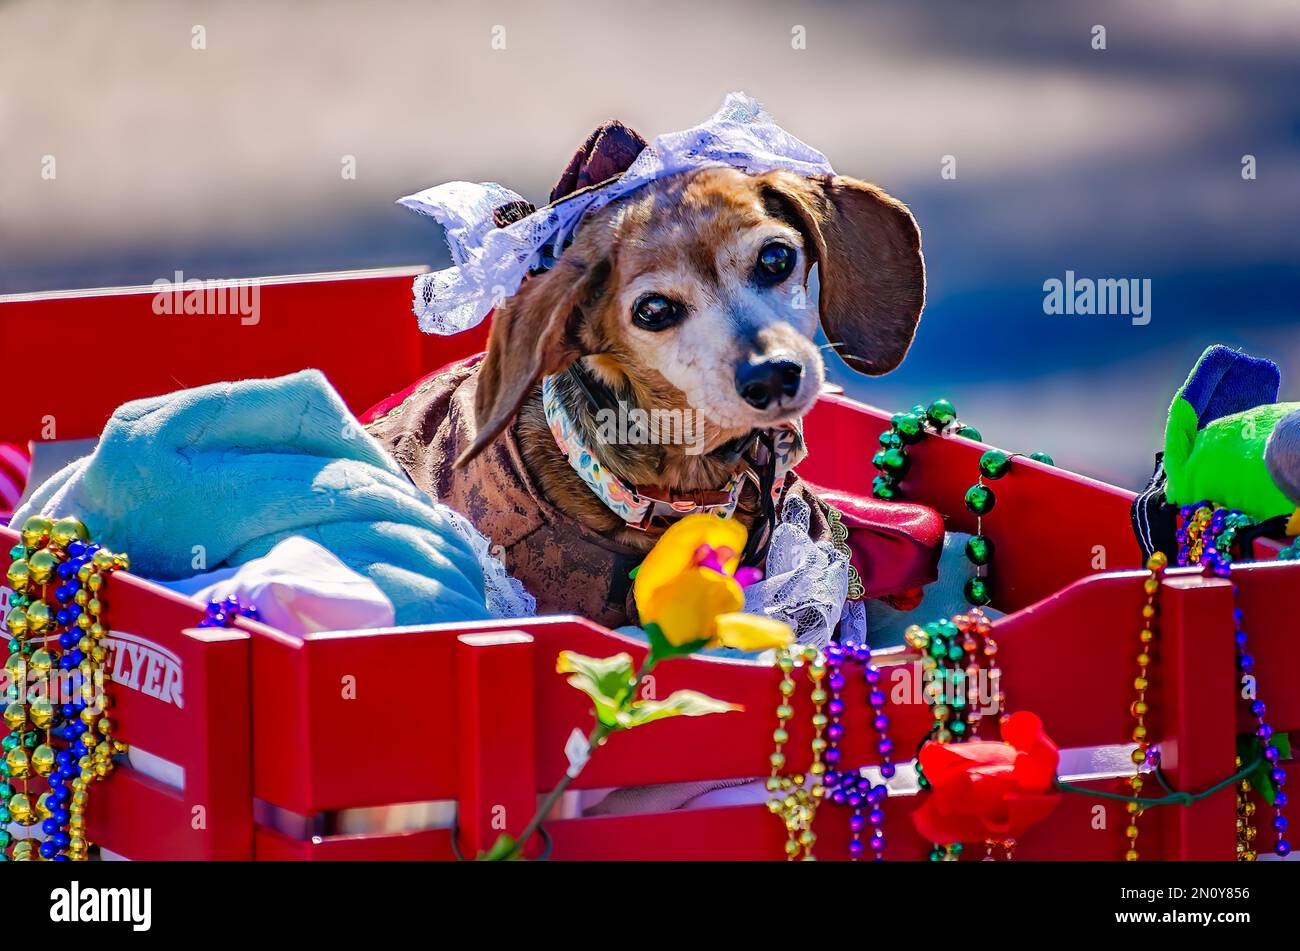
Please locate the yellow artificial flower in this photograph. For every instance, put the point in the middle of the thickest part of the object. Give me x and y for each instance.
(680, 588)
(676, 551)
(687, 606)
(752, 632)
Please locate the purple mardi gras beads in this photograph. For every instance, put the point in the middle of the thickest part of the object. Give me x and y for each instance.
(1205, 536)
(1264, 733)
(222, 612)
(849, 787)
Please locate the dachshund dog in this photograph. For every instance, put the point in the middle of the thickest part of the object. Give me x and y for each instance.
(689, 298)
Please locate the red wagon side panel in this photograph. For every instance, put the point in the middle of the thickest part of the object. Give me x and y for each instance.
(356, 327)
(278, 745)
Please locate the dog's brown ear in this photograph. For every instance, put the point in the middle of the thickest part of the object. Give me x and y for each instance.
(868, 251)
(610, 150)
(534, 334)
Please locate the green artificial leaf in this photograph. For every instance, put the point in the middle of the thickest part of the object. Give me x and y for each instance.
(661, 649)
(604, 679)
(504, 849)
(680, 703)
(1262, 778)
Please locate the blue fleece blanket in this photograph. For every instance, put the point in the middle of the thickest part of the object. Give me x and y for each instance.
(215, 476)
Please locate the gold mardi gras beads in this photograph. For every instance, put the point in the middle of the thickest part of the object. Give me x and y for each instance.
(17, 764)
(41, 661)
(793, 800)
(42, 714)
(66, 530)
(19, 575)
(36, 531)
(16, 667)
(1246, 831)
(39, 614)
(40, 619)
(20, 808)
(17, 623)
(1156, 565)
(42, 565)
(43, 760)
(15, 716)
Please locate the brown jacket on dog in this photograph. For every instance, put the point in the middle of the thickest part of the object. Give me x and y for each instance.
(567, 566)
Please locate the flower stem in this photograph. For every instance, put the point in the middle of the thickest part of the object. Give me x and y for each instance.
(594, 739)
(1176, 797)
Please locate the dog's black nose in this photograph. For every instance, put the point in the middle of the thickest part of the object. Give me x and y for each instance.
(761, 384)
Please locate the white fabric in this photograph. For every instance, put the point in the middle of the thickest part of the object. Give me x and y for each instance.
(298, 587)
(302, 578)
(806, 582)
(489, 263)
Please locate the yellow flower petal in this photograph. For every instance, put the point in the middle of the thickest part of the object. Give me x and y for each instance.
(685, 606)
(675, 551)
(752, 632)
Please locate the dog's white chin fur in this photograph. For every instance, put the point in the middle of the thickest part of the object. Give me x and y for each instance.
(723, 408)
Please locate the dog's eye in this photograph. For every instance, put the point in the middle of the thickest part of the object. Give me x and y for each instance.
(656, 312)
(775, 262)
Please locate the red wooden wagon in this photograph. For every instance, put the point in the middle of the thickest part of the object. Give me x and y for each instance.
(270, 747)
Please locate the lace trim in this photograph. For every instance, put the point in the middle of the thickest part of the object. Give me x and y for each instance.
(506, 595)
(490, 262)
(806, 581)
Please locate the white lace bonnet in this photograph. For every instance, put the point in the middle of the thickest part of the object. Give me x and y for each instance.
(490, 262)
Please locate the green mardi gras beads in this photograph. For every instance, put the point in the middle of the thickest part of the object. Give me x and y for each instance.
(940, 413)
(908, 426)
(977, 591)
(980, 499)
(884, 487)
(994, 464)
(979, 549)
(891, 462)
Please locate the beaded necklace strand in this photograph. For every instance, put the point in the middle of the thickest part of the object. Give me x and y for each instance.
(1206, 534)
(222, 612)
(1246, 849)
(893, 463)
(792, 799)
(951, 651)
(906, 429)
(70, 745)
(1139, 708)
(949, 648)
(849, 787)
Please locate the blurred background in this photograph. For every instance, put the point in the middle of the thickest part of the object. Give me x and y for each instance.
(229, 160)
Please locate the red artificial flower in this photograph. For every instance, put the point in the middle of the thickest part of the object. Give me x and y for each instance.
(983, 790)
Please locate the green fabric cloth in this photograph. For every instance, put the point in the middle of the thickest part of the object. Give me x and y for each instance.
(1224, 461)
